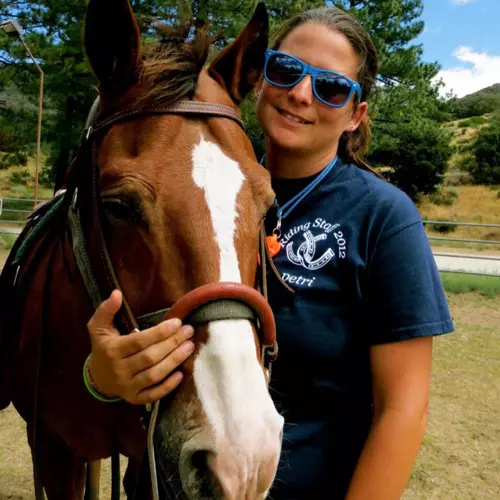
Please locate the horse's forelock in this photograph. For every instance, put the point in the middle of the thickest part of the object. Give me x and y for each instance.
(171, 68)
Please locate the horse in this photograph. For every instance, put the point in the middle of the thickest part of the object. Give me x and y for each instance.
(165, 201)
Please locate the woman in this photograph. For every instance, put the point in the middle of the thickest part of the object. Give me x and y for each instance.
(352, 379)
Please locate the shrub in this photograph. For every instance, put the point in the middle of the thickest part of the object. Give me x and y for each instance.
(457, 178)
(475, 121)
(466, 163)
(46, 177)
(452, 191)
(464, 147)
(493, 235)
(13, 160)
(20, 177)
(486, 169)
(442, 198)
(443, 228)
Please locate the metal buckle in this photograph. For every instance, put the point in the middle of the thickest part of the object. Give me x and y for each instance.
(73, 201)
(269, 355)
(15, 277)
(87, 133)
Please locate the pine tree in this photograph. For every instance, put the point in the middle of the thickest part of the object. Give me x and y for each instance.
(405, 96)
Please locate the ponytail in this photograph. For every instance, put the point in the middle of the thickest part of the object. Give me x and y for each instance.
(354, 145)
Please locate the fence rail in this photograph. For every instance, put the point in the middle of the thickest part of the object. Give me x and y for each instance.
(490, 264)
(452, 223)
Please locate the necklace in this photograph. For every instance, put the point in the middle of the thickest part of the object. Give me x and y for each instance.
(273, 244)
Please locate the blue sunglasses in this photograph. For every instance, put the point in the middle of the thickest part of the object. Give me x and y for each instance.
(330, 88)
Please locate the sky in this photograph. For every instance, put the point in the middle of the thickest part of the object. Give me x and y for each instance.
(463, 36)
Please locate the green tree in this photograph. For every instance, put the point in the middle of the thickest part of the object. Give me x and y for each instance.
(486, 168)
(418, 154)
(54, 32)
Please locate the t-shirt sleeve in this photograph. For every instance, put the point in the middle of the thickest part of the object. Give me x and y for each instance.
(404, 293)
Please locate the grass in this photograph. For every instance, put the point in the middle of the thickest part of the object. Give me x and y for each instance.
(474, 204)
(9, 189)
(475, 121)
(7, 241)
(460, 244)
(460, 455)
(462, 283)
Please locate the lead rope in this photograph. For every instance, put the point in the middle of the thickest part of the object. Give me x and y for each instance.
(151, 450)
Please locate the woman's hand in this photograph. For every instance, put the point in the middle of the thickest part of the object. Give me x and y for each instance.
(140, 367)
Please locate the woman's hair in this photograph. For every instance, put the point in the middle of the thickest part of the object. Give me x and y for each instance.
(352, 145)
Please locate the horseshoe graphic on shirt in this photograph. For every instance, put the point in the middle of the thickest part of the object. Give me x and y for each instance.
(306, 251)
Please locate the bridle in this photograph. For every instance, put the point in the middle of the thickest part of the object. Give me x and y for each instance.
(214, 301)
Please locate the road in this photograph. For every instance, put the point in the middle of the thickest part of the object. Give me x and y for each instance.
(470, 263)
(10, 229)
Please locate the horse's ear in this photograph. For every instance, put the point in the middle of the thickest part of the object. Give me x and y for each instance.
(112, 43)
(239, 66)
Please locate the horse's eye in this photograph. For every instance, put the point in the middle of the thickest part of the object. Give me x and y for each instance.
(122, 210)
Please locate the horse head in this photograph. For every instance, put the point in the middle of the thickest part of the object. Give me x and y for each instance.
(182, 199)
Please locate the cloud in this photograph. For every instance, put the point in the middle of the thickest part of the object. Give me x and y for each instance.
(462, 2)
(432, 30)
(479, 70)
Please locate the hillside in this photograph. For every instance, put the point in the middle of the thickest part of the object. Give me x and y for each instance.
(478, 204)
(464, 134)
(479, 103)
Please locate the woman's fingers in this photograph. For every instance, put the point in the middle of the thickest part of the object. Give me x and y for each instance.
(155, 353)
(136, 342)
(152, 394)
(142, 366)
(159, 371)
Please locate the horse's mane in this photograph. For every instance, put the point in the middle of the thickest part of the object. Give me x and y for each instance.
(171, 67)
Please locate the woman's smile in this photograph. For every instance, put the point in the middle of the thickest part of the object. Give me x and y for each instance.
(293, 118)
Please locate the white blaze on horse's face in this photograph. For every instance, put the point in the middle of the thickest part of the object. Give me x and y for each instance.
(221, 180)
(245, 428)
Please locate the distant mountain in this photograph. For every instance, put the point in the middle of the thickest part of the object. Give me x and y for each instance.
(494, 89)
(477, 104)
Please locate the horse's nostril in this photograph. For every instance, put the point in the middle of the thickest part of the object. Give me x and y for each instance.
(209, 485)
(199, 461)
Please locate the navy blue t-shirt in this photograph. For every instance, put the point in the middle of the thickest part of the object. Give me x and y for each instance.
(356, 254)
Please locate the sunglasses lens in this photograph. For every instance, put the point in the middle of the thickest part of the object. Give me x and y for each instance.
(333, 89)
(283, 70)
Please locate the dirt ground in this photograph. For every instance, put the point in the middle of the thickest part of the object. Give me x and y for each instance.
(16, 472)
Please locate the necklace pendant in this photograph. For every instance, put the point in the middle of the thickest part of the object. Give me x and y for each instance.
(273, 245)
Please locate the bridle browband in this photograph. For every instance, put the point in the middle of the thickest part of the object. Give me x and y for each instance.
(214, 301)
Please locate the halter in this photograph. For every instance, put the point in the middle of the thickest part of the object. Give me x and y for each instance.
(214, 301)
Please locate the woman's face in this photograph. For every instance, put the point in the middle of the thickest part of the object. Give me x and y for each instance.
(321, 126)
